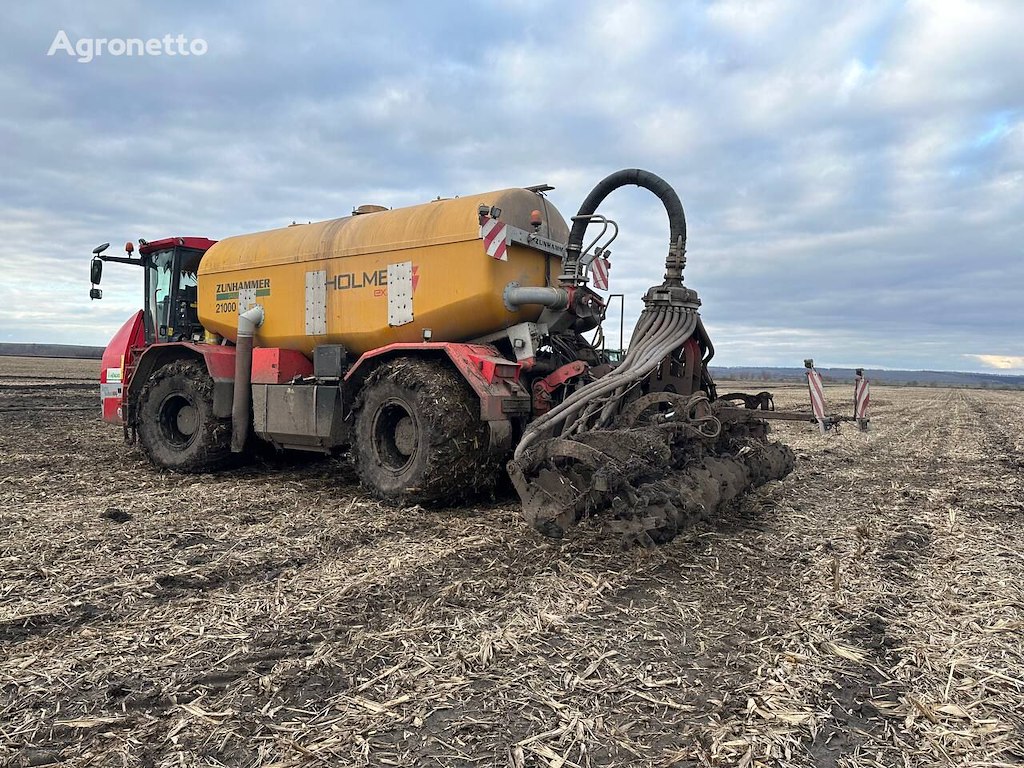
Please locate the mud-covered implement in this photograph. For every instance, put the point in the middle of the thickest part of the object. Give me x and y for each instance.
(651, 479)
(648, 443)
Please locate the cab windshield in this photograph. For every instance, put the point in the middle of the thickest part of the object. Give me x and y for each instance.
(159, 285)
(171, 295)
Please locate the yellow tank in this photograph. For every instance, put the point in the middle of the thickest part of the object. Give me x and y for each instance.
(327, 282)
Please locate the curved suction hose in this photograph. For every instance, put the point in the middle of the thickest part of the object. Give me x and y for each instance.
(676, 259)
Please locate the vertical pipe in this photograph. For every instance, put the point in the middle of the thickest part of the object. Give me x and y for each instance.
(622, 320)
(248, 322)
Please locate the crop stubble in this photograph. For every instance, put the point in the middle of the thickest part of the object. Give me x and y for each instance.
(866, 611)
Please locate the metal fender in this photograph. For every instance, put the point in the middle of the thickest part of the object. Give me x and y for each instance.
(494, 378)
(220, 362)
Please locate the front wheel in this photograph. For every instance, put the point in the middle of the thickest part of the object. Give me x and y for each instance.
(419, 437)
(176, 426)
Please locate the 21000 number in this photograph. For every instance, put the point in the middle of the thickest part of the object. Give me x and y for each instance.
(226, 306)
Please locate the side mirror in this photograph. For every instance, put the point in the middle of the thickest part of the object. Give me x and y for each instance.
(95, 272)
(95, 293)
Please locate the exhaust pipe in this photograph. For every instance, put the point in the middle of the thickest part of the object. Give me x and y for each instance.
(248, 322)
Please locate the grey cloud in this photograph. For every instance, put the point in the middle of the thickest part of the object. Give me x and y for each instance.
(852, 174)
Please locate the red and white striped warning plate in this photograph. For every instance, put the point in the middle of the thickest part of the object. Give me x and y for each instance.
(861, 398)
(599, 268)
(495, 237)
(817, 396)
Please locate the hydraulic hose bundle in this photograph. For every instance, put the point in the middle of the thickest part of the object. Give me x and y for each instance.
(659, 331)
(664, 325)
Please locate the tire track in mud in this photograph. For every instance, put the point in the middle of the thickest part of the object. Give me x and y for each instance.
(647, 586)
(160, 700)
(170, 586)
(430, 573)
(911, 559)
(386, 524)
(878, 546)
(361, 550)
(997, 430)
(865, 690)
(174, 586)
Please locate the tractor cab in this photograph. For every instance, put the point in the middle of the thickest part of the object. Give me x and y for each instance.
(171, 268)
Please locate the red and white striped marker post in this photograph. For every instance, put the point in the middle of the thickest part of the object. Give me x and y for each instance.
(817, 395)
(599, 268)
(495, 237)
(861, 400)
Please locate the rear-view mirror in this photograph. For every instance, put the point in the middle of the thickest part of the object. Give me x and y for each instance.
(96, 272)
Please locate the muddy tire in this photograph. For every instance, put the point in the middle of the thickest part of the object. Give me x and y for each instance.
(176, 426)
(419, 438)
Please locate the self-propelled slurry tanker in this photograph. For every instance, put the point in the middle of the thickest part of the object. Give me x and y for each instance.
(441, 344)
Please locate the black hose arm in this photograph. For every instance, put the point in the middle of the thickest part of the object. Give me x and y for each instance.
(676, 259)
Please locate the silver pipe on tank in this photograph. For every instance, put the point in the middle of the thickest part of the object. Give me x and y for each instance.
(516, 296)
(248, 322)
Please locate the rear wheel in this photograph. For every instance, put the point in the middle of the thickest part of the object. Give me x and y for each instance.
(419, 436)
(176, 426)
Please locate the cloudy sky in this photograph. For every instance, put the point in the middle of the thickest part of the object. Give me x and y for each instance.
(852, 172)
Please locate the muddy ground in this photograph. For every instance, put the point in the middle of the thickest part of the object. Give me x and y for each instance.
(866, 611)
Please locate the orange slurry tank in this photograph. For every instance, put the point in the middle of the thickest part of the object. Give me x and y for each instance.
(368, 280)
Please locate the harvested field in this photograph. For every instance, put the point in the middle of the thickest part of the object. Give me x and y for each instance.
(866, 611)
